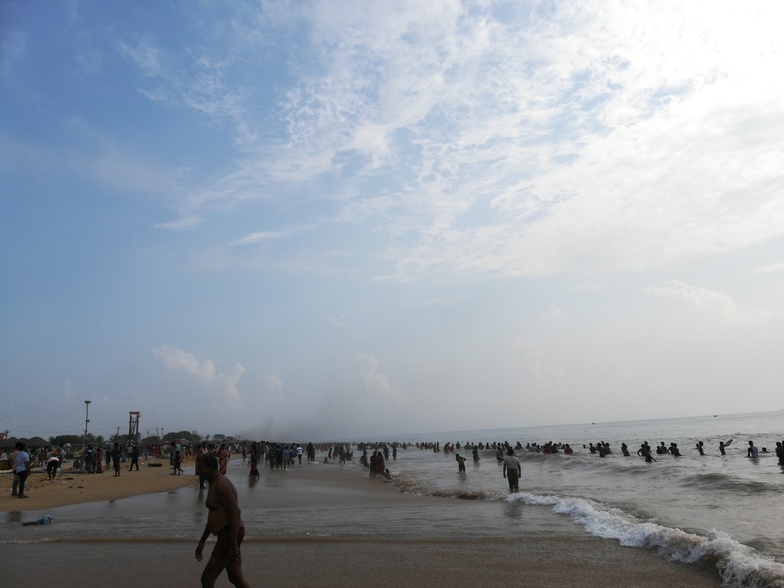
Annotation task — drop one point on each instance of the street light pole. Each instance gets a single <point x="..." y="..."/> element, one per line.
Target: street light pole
<point x="86" y="420"/>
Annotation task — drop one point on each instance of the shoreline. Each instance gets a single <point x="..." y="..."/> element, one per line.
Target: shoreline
<point x="561" y="556"/>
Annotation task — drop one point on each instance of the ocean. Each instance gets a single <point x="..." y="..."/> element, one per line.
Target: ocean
<point x="721" y="512"/>
<point x="717" y="510"/>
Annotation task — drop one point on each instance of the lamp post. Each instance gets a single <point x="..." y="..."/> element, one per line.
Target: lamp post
<point x="86" y="420"/>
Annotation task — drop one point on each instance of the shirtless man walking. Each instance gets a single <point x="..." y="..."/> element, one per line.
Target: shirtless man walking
<point x="223" y="520"/>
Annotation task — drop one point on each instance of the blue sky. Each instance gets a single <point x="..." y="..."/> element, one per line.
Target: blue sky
<point x="322" y="220"/>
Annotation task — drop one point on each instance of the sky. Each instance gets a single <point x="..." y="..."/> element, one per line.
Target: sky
<point x="331" y="220"/>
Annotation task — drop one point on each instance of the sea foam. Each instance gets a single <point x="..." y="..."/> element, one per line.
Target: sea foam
<point x="738" y="564"/>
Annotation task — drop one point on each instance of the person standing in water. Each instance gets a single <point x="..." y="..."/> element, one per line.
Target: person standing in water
<point x="780" y="452"/>
<point x="512" y="470"/>
<point x="460" y="463"/>
<point x="224" y="520"/>
<point x="752" y="452"/>
<point x="723" y="445"/>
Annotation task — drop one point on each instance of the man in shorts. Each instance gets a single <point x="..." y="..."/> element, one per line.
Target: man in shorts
<point x="512" y="470"/>
<point x="224" y="519"/>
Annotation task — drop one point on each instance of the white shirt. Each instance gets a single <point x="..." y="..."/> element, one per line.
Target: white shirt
<point x="21" y="458"/>
<point x="511" y="462"/>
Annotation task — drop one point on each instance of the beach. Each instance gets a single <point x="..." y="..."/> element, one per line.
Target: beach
<point x="311" y="525"/>
<point x="74" y="487"/>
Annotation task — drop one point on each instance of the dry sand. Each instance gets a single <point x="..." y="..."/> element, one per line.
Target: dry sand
<point x="73" y="487"/>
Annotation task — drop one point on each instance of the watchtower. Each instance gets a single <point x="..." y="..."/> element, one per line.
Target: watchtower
<point x="133" y="426"/>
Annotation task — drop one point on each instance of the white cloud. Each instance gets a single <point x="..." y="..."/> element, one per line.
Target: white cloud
<point x="146" y="56"/>
<point x="596" y="136"/>
<point x="192" y="82"/>
<point x="376" y="382"/>
<point x="342" y="319"/>
<point x="274" y="383"/>
<point x="770" y="269"/>
<point x="588" y="286"/>
<point x="718" y="303"/>
<point x="592" y="135"/>
<point x="181" y="224"/>
<point x="263" y="236"/>
<point x="216" y="381"/>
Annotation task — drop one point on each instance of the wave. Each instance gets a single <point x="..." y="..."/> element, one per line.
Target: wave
<point x="718" y="481"/>
<point x="738" y="564"/>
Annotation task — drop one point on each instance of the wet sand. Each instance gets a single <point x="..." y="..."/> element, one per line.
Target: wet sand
<point x="563" y="556"/>
<point x="562" y="562"/>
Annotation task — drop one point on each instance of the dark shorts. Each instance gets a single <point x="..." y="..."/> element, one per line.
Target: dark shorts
<point x="223" y="543"/>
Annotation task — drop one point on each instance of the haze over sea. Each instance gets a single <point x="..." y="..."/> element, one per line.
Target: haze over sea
<point x="722" y="512"/>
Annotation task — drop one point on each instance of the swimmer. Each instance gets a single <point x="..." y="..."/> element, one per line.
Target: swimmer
<point x="723" y="445"/>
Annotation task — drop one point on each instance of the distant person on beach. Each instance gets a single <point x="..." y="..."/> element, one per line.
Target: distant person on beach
<point x="460" y="463"/>
<point x="15" y="488"/>
<point x="224" y="520"/>
<point x="134" y="458"/>
<point x="752" y="452"/>
<point x="254" y="463"/>
<point x="475" y="453"/>
<point x="178" y="463"/>
<point x="512" y="470"/>
<point x="201" y="450"/>
<point x="700" y="449"/>
<point x="22" y="461"/>
<point x="223" y="458"/>
<point x="52" y="463"/>
<point x="116" y="459"/>
<point x="723" y="445"/>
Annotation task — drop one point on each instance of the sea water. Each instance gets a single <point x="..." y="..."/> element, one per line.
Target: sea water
<point x="726" y="510"/>
<point x="720" y="511"/>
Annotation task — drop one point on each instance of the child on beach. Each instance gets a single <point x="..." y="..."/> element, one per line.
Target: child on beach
<point x="254" y="464"/>
<point x="178" y="463"/>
